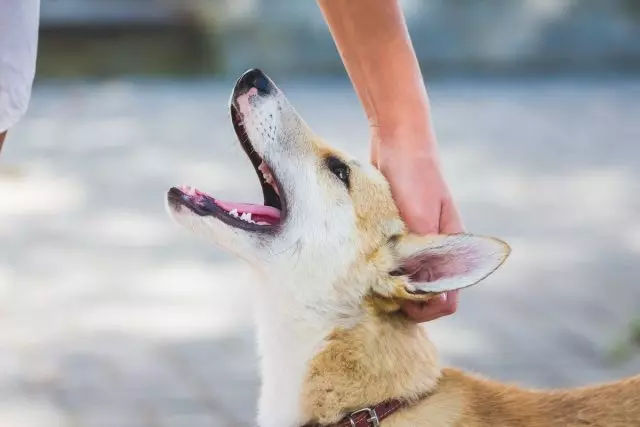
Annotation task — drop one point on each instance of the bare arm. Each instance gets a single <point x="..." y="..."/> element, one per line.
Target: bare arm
<point x="374" y="44"/>
<point x="375" y="47"/>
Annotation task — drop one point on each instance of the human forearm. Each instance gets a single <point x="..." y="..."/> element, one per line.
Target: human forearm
<point x="2" y="136"/>
<point x="374" y="44"/>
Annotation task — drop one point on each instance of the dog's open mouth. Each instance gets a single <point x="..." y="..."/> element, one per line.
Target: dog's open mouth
<point x="248" y="216"/>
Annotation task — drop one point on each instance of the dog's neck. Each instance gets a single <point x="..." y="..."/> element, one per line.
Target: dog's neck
<point x="314" y="369"/>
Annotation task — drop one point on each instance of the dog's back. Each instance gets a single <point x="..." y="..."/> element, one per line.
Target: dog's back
<point x="469" y="401"/>
<point x="336" y="262"/>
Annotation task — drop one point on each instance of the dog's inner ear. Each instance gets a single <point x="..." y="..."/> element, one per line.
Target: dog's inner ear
<point x="441" y="263"/>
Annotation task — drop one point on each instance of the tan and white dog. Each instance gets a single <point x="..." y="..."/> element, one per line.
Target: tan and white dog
<point x="336" y="260"/>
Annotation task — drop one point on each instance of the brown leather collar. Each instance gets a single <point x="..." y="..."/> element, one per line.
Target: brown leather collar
<point x="367" y="417"/>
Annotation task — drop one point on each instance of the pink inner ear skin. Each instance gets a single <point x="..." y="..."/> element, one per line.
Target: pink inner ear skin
<point x="449" y="263"/>
<point x="429" y="268"/>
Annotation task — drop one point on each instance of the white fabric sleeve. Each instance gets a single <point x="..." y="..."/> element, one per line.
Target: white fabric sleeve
<point x="19" y="24"/>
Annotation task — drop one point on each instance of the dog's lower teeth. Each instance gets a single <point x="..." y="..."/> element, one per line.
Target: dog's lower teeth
<point x="245" y="216"/>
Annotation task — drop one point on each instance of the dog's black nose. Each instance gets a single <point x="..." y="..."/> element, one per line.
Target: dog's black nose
<point x="175" y="197"/>
<point x="254" y="78"/>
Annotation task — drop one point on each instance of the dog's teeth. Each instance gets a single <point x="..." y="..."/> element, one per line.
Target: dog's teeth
<point x="262" y="223"/>
<point x="268" y="177"/>
<point x="264" y="169"/>
<point x="233" y="212"/>
<point x="246" y="216"/>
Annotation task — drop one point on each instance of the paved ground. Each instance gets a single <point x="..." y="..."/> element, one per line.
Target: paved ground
<point x="110" y="315"/>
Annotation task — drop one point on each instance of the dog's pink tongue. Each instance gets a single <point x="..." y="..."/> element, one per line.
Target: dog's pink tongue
<point x="258" y="212"/>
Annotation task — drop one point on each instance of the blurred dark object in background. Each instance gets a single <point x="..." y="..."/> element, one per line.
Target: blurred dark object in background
<point x="221" y="37"/>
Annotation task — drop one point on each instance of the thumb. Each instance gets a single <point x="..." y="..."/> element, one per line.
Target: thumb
<point x="450" y="222"/>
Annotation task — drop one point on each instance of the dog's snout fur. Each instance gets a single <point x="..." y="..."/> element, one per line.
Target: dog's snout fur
<point x="256" y="79"/>
<point x="335" y="263"/>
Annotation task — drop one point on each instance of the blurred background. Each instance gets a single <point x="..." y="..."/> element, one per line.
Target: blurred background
<point x="110" y="315"/>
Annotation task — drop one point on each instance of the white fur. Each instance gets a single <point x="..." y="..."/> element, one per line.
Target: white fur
<point x="297" y="303"/>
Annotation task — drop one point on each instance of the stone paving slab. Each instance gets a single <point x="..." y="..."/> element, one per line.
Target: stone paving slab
<point x="110" y="315"/>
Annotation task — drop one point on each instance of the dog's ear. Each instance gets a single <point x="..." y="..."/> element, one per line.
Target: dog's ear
<point x="429" y="265"/>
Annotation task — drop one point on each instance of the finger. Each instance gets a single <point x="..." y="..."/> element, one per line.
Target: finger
<point x="444" y="305"/>
<point x="419" y="207"/>
<point x="450" y="221"/>
<point x="420" y="312"/>
<point x="451" y="304"/>
<point x="375" y="151"/>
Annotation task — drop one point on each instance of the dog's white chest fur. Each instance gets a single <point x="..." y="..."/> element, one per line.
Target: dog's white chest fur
<point x="287" y="343"/>
<point x="328" y="236"/>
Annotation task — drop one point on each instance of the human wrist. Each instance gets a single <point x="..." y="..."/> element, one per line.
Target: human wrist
<point x="413" y="136"/>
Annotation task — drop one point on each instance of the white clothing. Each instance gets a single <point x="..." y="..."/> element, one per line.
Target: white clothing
<point x="19" y="24"/>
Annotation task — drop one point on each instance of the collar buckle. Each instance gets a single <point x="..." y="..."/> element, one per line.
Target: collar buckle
<point x="372" y="421"/>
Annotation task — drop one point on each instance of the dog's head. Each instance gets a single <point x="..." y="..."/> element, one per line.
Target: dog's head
<point x="329" y="230"/>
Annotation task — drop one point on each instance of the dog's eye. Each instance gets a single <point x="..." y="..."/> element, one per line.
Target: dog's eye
<point x="339" y="169"/>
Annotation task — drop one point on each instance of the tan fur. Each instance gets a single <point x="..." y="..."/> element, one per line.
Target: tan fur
<point x="375" y="353"/>
<point x="387" y="356"/>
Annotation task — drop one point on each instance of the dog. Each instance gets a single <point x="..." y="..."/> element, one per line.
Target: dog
<point x="335" y="261"/>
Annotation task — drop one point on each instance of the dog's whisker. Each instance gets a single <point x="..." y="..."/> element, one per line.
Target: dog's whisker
<point x="332" y="333"/>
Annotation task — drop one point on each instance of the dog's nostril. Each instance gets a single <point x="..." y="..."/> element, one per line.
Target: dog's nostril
<point x="254" y="78"/>
<point x="261" y="83"/>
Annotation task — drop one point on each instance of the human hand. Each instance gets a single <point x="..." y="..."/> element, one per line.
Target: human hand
<point x="412" y="168"/>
